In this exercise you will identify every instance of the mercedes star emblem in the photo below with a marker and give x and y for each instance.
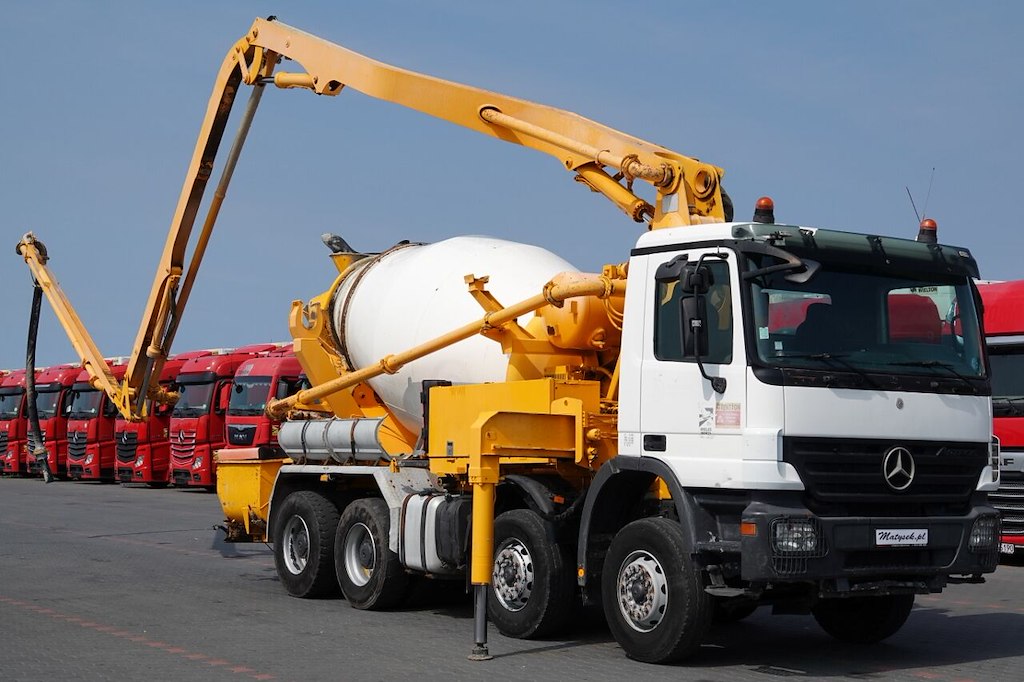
(898, 468)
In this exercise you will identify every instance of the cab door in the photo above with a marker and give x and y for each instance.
(683, 418)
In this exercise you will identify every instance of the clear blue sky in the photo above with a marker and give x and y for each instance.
(833, 109)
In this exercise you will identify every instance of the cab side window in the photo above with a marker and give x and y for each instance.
(718, 304)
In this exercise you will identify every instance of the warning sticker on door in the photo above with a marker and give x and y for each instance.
(727, 415)
(704, 420)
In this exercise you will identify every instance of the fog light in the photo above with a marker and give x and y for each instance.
(198, 463)
(791, 536)
(140, 460)
(88, 459)
(984, 534)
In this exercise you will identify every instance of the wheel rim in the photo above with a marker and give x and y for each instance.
(360, 554)
(513, 575)
(642, 591)
(296, 545)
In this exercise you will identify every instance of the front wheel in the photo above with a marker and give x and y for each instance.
(370, 574)
(531, 583)
(863, 620)
(653, 596)
(304, 545)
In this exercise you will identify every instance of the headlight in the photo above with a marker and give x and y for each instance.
(984, 533)
(197, 463)
(140, 460)
(791, 536)
(88, 459)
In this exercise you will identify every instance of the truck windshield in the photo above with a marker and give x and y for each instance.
(249, 396)
(193, 400)
(46, 403)
(867, 319)
(85, 403)
(10, 402)
(1007, 380)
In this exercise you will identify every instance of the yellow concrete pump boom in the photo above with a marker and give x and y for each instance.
(607, 161)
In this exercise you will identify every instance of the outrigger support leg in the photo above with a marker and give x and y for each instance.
(480, 651)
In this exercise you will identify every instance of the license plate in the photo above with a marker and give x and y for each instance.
(901, 537)
(1006, 547)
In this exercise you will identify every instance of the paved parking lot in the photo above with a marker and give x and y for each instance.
(102, 582)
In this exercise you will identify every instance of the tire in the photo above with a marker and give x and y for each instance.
(370, 574)
(653, 597)
(531, 582)
(732, 611)
(863, 620)
(304, 545)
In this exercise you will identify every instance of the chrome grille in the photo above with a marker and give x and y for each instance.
(127, 444)
(76, 444)
(1009, 500)
(183, 447)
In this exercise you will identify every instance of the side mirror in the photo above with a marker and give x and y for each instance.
(693, 320)
(109, 409)
(223, 397)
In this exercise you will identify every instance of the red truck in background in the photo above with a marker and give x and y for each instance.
(273, 376)
(198, 427)
(53, 402)
(13, 424)
(91, 447)
(143, 448)
(912, 317)
(1004, 336)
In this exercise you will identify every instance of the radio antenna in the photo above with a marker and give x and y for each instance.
(929, 195)
(913, 204)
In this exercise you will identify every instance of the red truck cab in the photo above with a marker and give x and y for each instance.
(198, 420)
(1004, 336)
(143, 448)
(91, 417)
(53, 402)
(13, 422)
(258, 380)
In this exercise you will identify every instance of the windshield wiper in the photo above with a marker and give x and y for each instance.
(246, 411)
(932, 364)
(1008, 407)
(837, 358)
(190, 412)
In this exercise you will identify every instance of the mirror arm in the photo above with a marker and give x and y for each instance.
(718, 384)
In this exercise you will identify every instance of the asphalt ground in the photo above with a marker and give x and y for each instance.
(104, 582)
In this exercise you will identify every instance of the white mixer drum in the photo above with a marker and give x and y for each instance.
(417, 293)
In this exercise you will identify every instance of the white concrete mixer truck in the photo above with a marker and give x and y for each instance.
(725, 420)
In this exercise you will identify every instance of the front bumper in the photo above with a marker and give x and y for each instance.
(848, 556)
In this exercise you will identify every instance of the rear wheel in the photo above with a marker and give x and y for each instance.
(304, 545)
(531, 584)
(370, 574)
(654, 598)
(864, 620)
